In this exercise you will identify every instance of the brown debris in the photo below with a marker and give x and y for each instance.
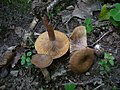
(7, 58)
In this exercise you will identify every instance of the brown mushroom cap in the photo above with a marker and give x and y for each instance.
(81, 60)
(78, 39)
(56, 48)
(41, 60)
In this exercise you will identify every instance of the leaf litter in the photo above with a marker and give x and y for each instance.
(36, 81)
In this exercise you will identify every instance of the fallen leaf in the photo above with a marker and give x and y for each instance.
(20, 49)
(82, 10)
(7, 58)
(85, 10)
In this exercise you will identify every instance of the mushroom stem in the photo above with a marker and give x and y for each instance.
(45, 74)
(50, 28)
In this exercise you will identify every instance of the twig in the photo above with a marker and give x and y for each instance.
(87, 82)
(68, 30)
(2, 87)
(108, 32)
(33, 24)
(98, 86)
(28, 33)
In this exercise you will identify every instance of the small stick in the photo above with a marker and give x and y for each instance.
(108, 32)
(33, 24)
(98, 86)
(87, 82)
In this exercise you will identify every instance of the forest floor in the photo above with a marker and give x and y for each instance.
(21, 78)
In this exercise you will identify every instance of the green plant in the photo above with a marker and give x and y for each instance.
(107, 62)
(26, 59)
(114, 88)
(50, 15)
(111, 13)
(70, 86)
(88, 25)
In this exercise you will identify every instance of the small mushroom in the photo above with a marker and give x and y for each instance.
(78, 38)
(42, 61)
(81, 60)
(52, 42)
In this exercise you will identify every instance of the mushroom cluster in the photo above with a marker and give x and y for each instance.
(82, 56)
(53, 44)
(49, 45)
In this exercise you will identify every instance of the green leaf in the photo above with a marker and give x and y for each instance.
(29, 64)
(88, 21)
(104, 14)
(111, 62)
(111, 57)
(28, 59)
(107, 68)
(117, 5)
(88, 25)
(106, 55)
(89, 28)
(70, 86)
(115, 23)
(29, 53)
(23, 57)
(115, 12)
(104, 62)
(100, 63)
(22, 62)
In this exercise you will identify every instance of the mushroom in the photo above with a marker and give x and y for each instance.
(42, 61)
(52, 42)
(78, 38)
(81, 56)
(81, 60)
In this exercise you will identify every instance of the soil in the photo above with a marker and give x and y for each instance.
(32, 79)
